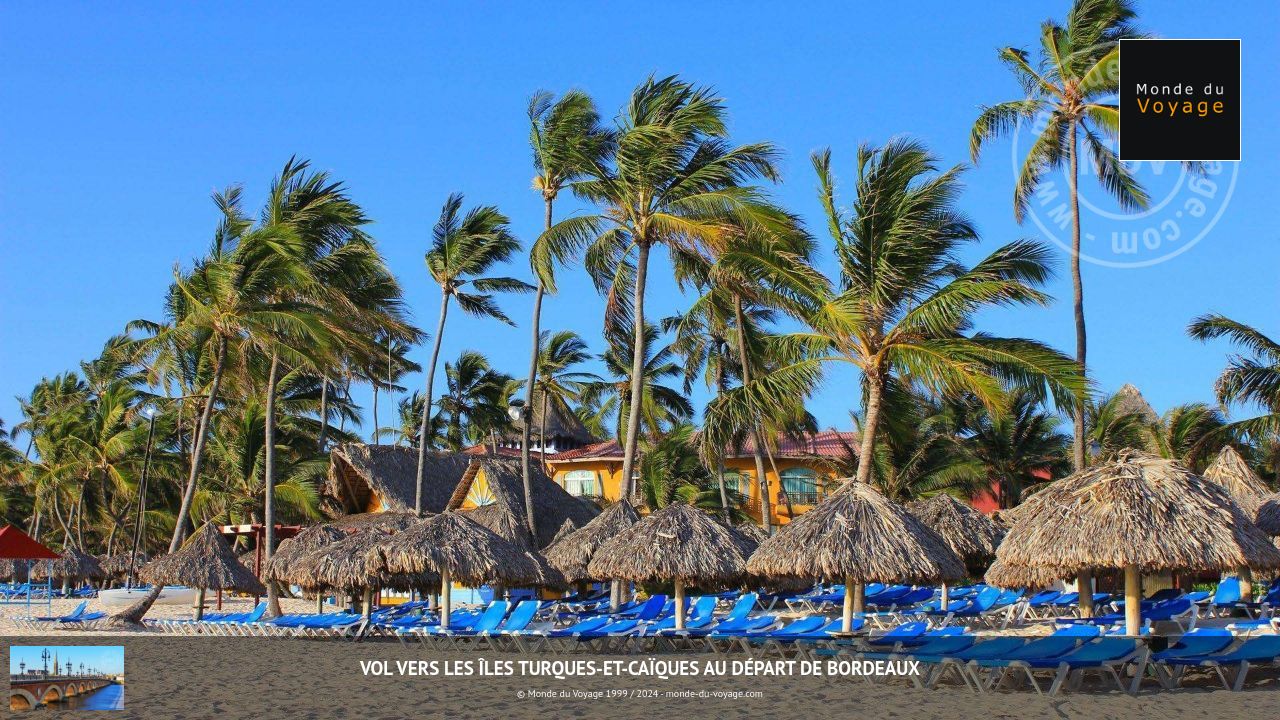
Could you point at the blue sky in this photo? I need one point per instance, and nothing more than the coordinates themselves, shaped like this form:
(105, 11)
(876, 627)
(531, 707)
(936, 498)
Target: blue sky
(116, 126)
(108, 659)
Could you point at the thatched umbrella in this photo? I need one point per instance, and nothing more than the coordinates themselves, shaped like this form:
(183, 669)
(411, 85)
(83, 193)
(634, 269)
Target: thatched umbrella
(1268, 518)
(678, 543)
(72, 564)
(13, 570)
(861, 536)
(390, 521)
(344, 566)
(1137, 513)
(293, 549)
(458, 549)
(567, 528)
(117, 566)
(970, 534)
(1234, 474)
(571, 554)
(205, 562)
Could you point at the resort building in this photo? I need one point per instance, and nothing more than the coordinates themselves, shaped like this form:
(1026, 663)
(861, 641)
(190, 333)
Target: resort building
(383, 478)
(798, 474)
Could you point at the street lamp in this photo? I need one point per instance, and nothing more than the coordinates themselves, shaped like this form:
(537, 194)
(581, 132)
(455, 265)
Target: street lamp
(150, 412)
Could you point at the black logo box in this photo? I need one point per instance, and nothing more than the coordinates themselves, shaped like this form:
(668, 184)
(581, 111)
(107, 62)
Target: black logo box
(1157, 80)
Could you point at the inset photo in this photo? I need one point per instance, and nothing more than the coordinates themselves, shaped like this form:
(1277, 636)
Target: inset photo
(66, 677)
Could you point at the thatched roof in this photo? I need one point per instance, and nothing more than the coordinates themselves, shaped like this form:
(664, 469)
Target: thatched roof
(472, 553)
(358, 472)
(291, 550)
(344, 565)
(570, 555)
(552, 505)
(560, 423)
(567, 528)
(389, 521)
(204, 561)
(678, 542)
(117, 566)
(1268, 517)
(1004, 575)
(13, 570)
(1129, 401)
(1234, 474)
(970, 534)
(1135, 510)
(859, 534)
(72, 563)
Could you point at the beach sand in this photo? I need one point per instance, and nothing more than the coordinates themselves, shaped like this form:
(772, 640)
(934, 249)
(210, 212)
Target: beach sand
(190, 678)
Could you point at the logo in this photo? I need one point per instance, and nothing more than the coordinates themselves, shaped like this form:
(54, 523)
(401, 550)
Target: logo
(1186, 199)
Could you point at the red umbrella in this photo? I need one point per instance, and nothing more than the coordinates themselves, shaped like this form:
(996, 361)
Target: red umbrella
(17, 545)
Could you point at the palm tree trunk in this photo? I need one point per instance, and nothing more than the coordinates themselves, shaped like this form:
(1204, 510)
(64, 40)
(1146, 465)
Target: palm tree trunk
(1077, 287)
(197, 453)
(637, 373)
(269, 483)
(426, 404)
(375, 414)
(133, 614)
(744, 361)
(324, 411)
(526, 432)
(782, 490)
(724, 494)
(869, 421)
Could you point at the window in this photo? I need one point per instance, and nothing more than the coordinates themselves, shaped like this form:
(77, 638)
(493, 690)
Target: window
(801, 485)
(581, 483)
(735, 482)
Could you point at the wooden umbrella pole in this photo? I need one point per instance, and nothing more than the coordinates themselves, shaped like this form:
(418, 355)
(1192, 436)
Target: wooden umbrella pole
(368, 602)
(319, 603)
(615, 595)
(679, 605)
(859, 596)
(847, 624)
(445, 587)
(200, 605)
(1132, 600)
(1246, 584)
(946, 597)
(1084, 584)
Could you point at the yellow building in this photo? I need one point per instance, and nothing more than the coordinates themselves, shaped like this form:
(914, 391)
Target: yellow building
(804, 469)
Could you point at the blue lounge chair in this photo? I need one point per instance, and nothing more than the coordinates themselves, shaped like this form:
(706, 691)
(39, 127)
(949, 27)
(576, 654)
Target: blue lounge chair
(1254, 651)
(1103, 655)
(1059, 643)
(1225, 596)
(1201, 641)
(1180, 611)
(531, 640)
(940, 663)
(492, 616)
(521, 616)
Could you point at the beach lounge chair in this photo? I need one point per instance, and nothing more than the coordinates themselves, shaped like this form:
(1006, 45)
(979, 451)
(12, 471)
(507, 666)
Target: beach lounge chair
(534, 639)
(1225, 596)
(35, 622)
(937, 665)
(748, 640)
(799, 644)
(521, 616)
(1060, 642)
(975, 608)
(1264, 649)
(1105, 655)
(1180, 611)
(1201, 641)
(493, 615)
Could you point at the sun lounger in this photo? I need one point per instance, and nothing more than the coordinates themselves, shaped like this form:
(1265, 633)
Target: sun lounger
(1202, 641)
(488, 620)
(1264, 649)
(1105, 655)
(1059, 643)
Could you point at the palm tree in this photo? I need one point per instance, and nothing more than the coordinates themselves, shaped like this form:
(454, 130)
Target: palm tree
(463, 248)
(1078, 71)
(670, 471)
(1018, 443)
(568, 141)
(903, 300)
(385, 371)
(475, 404)
(1112, 425)
(1191, 432)
(1253, 377)
(662, 407)
(675, 182)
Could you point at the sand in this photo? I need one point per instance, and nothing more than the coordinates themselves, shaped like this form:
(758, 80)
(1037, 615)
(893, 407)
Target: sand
(188, 678)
